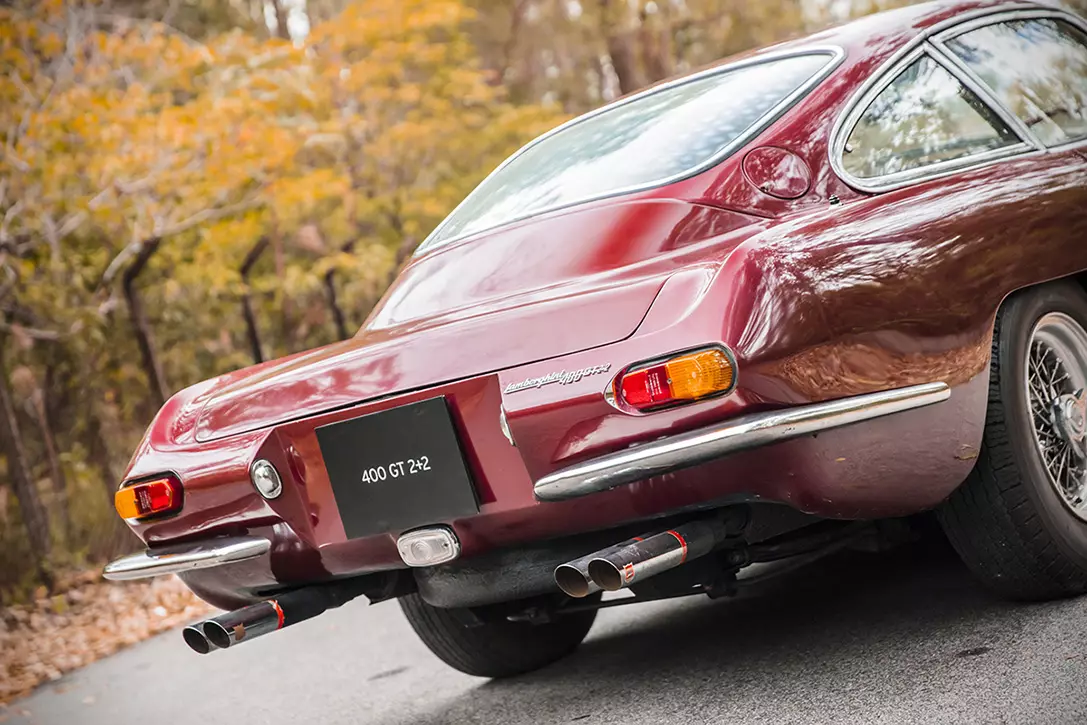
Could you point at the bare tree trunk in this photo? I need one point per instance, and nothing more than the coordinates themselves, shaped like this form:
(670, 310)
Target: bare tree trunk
(281, 20)
(517, 15)
(338, 317)
(56, 471)
(288, 330)
(250, 318)
(141, 327)
(100, 455)
(617, 38)
(622, 60)
(407, 246)
(656, 44)
(118, 537)
(602, 79)
(33, 513)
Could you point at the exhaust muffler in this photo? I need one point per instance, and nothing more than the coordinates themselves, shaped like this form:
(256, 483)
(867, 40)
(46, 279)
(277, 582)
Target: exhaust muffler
(619, 567)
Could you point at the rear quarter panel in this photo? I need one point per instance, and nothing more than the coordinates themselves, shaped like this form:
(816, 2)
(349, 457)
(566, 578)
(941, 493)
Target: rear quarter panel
(879, 292)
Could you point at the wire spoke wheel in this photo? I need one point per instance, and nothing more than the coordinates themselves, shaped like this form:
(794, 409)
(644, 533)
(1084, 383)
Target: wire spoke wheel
(1019, 520)
(1056, 380)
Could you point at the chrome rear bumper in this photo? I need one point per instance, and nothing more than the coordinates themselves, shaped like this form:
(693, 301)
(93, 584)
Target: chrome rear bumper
(730, 436)
(176, 559)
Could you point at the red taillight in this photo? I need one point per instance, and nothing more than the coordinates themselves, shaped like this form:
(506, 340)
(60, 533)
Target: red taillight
(147, 498)
(687, 377)
(646, 388)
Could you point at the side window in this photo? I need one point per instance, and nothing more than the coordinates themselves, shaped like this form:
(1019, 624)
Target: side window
(925, 116)
(1038, 68)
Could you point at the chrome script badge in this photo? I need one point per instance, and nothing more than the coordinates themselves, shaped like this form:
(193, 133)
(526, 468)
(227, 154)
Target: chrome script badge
(562, 377)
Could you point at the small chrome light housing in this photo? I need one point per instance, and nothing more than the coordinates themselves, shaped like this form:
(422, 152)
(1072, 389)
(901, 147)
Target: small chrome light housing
(427, 547)
(266, 479)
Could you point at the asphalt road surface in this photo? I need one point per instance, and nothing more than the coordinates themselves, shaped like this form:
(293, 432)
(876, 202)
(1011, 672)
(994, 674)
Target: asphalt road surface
(904, 637)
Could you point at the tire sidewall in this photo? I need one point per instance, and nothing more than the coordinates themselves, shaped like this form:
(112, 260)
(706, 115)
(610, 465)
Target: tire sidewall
(1023, 311)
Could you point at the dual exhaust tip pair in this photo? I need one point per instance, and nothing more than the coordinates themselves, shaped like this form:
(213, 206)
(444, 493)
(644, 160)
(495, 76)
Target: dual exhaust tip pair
(639, 558)
(270, 615)
(234, 627)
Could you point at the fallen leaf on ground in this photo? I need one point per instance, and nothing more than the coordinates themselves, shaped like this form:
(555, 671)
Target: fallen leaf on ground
(89, 619)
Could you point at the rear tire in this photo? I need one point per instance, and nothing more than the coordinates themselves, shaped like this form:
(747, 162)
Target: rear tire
(1012, 522)
(494, 648)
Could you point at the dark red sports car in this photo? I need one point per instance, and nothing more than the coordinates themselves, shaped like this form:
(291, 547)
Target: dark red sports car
(740, 317)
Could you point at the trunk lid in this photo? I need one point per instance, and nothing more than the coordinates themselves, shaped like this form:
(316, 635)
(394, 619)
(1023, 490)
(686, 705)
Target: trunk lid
(535, 290)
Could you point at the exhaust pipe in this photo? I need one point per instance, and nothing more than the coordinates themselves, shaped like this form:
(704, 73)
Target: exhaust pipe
(255, 620)
(244, 624)
(573, 576)
(616, 569)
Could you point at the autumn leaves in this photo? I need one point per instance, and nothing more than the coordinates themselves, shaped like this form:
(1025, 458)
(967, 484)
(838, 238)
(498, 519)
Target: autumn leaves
(173, 208)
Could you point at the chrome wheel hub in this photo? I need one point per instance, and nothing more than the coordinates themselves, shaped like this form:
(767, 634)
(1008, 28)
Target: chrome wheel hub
(1071, 420)
(1056, 384)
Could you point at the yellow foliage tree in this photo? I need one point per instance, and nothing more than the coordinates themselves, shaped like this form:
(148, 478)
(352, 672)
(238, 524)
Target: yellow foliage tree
(145, 175)
(174, 204)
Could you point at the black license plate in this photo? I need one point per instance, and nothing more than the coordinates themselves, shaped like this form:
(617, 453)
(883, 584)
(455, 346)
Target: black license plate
(397, 469)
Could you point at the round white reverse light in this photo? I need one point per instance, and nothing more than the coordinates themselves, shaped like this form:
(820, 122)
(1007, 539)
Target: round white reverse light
(266, 478)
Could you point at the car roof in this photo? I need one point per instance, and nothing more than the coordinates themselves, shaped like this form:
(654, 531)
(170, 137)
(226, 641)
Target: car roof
(881, 34)
(901, 24)
(866, 44)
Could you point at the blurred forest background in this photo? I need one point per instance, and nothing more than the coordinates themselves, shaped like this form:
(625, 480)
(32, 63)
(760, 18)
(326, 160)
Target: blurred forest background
(190, 186)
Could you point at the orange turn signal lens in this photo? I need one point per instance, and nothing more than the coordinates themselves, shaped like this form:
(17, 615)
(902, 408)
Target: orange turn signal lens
(147, 498)
(683, 378)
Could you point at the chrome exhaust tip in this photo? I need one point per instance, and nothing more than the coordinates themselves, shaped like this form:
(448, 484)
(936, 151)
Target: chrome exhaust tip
(222, 637)
(232, 628)
(574, 580)
(216, 634)
(194, 637)
(606, 575)
(244, 624)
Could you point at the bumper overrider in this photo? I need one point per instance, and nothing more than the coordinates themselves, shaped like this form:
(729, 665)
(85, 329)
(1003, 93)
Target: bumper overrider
(605, 472)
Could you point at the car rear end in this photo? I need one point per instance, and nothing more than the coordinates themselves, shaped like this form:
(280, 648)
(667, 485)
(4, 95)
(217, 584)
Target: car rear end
(580, 354)
(333, 455)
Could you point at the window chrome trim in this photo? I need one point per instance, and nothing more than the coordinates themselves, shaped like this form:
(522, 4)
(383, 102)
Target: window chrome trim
(939, 41)
(835, 53)
(899, 179)
(954, 65)
(1004, 15)
(1079, 143)
(897, 62)
(940, 169)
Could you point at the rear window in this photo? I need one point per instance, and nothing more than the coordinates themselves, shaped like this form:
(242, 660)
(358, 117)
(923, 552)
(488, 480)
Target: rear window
(650, 139)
